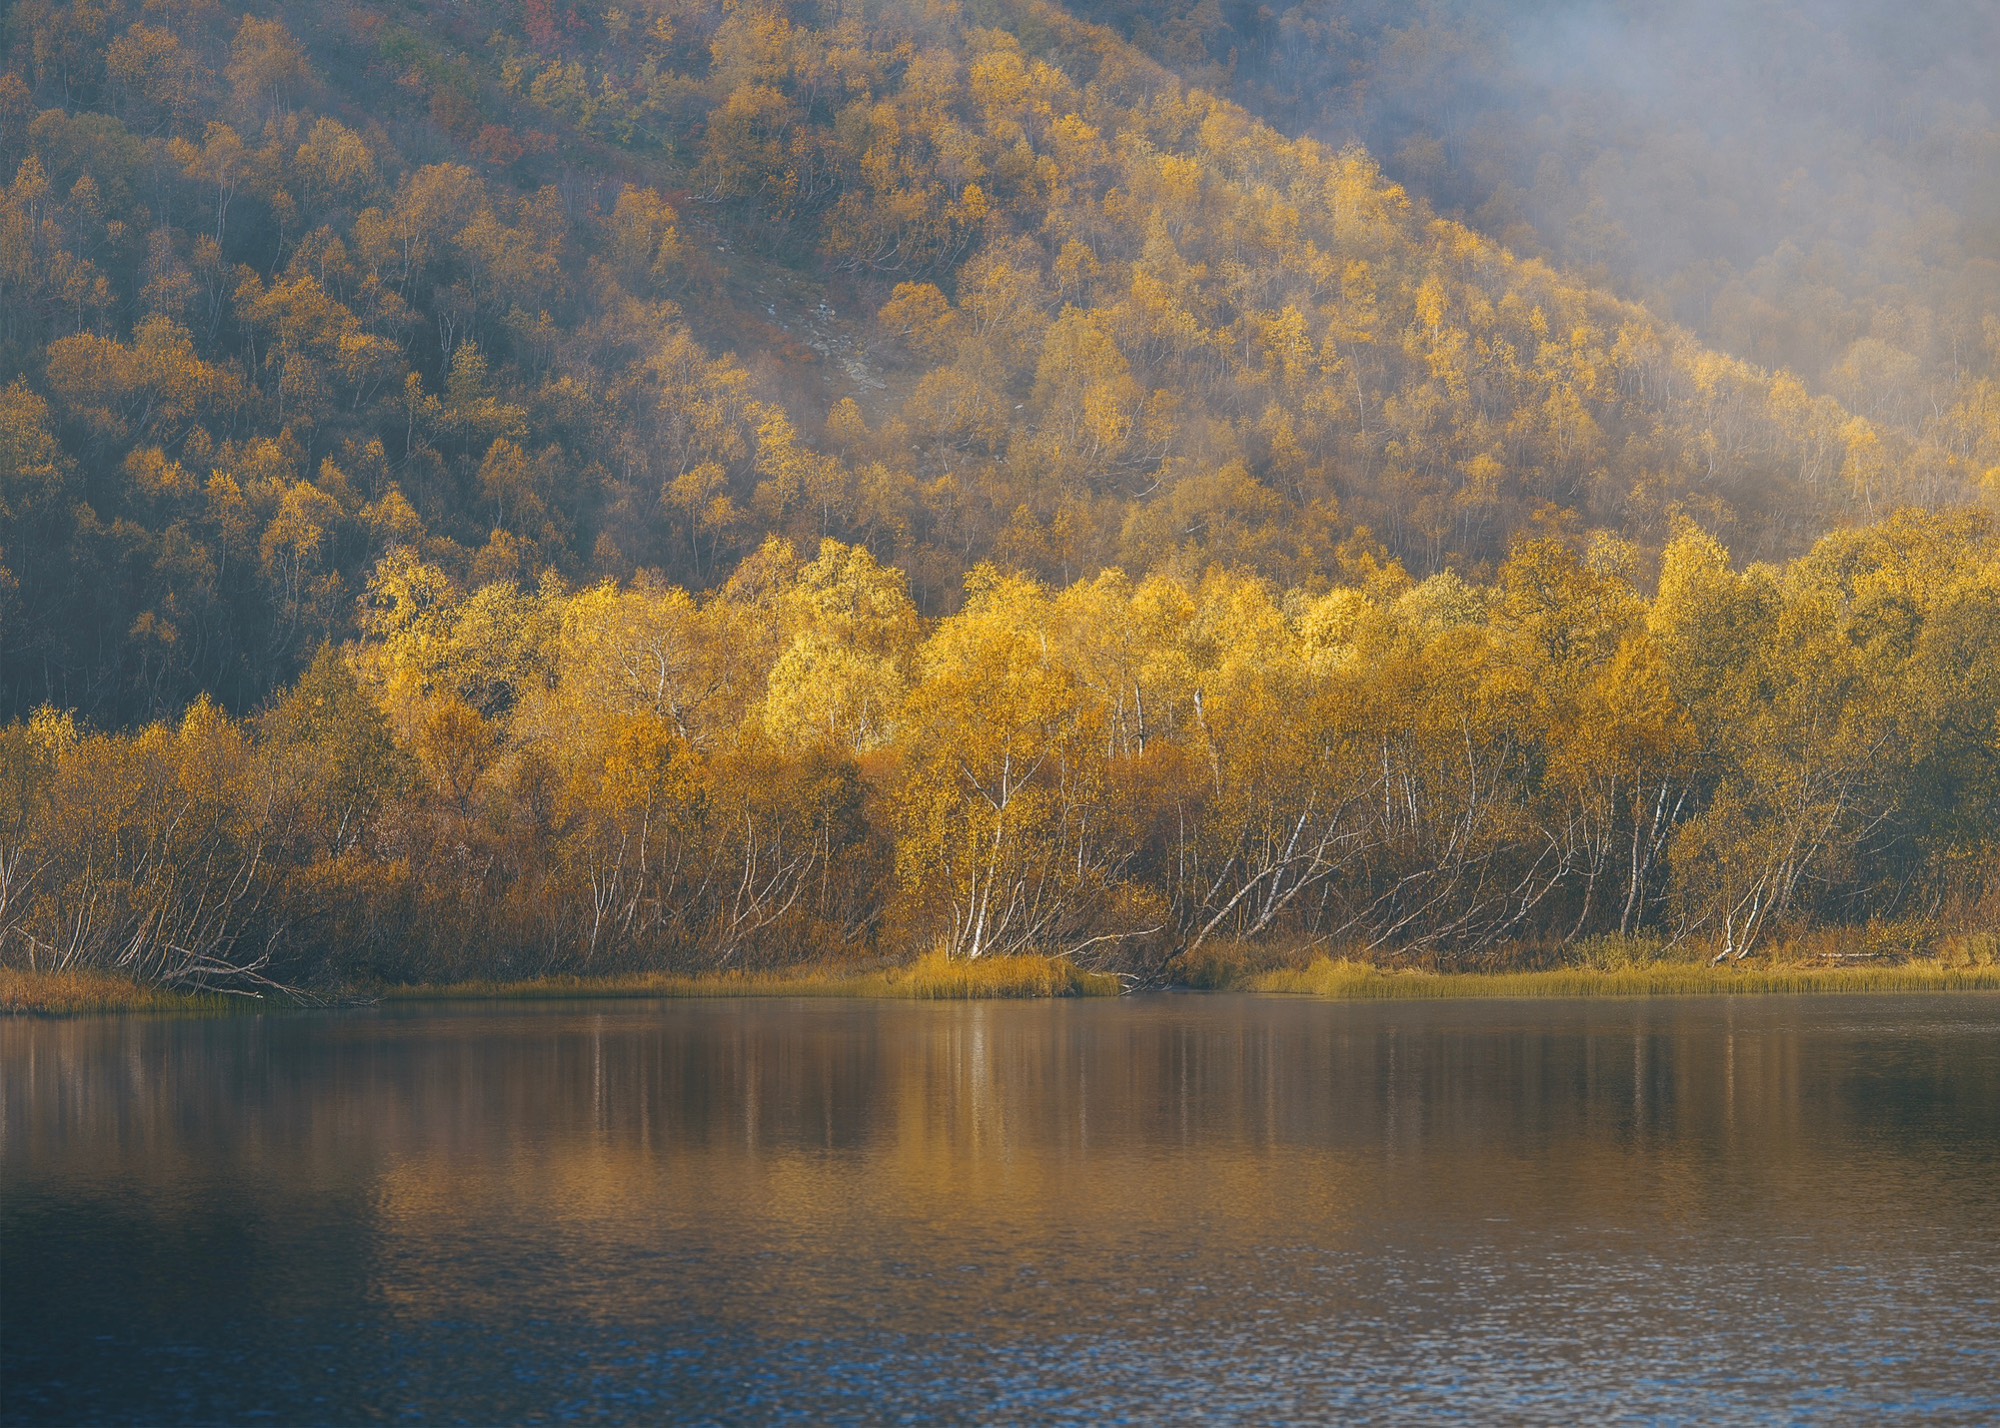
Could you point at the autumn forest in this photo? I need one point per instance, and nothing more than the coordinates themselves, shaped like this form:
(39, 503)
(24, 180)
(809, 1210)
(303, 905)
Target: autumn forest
(524, 487)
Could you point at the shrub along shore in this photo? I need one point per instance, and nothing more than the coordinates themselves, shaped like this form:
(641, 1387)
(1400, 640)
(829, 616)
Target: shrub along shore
(936, 978)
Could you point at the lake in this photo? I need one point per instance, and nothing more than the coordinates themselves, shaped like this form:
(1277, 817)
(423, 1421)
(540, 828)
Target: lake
(1171, 1206)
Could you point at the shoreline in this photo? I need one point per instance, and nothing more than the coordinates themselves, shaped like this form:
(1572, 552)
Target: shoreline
(933, 978)
(1355, 981)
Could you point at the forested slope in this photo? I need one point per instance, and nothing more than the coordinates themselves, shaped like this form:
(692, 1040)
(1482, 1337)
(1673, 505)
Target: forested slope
(694, 485)
(598, 291)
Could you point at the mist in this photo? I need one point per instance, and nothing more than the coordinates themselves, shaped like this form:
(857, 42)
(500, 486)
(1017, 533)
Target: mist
(1808, 184)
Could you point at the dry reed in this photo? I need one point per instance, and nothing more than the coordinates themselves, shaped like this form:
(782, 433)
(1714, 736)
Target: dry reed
(931, 978)
(91, 993)
(1359, 981)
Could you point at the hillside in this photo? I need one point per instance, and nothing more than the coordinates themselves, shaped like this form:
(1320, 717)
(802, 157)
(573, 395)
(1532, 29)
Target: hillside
(600, 291)
(509, 489)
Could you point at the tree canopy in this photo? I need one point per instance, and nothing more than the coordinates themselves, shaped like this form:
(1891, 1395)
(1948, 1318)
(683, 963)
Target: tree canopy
(587, 485)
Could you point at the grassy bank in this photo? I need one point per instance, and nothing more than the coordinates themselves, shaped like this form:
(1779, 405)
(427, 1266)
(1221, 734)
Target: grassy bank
(91, 993)
(934, 978)
(1358, 981)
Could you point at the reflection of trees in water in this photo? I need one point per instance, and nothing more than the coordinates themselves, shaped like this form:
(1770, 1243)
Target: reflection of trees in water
(437, 1200)
(1152, 1113)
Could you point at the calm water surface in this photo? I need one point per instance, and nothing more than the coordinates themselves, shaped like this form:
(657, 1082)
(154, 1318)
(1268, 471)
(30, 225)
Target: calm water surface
(1177, 1206)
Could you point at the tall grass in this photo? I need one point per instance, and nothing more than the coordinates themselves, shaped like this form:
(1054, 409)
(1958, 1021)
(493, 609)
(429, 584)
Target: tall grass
(940, 978)
(931, 978)
(1359, 981)
(88, 993)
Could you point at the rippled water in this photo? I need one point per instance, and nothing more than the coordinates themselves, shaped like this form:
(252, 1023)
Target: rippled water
(1173, 1206)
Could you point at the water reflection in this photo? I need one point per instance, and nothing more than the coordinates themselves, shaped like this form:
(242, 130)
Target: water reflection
(1725, 1208)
